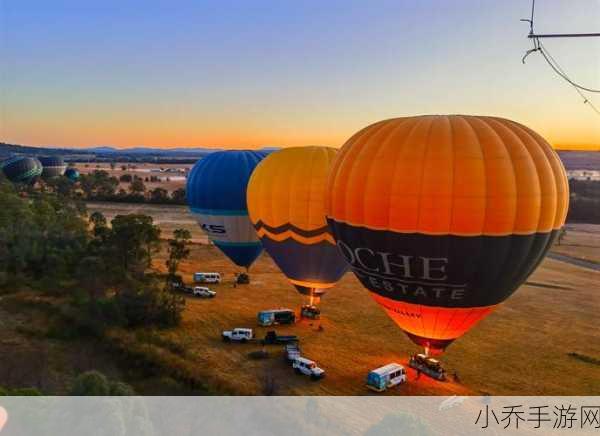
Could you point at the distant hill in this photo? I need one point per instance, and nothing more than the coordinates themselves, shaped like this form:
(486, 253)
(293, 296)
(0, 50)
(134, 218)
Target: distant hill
(580, 160)
(104, 153)
(572, 160)
(7, 150)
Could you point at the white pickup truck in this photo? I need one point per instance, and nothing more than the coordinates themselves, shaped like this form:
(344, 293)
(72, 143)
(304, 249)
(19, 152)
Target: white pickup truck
(203, 292)
(237, 335)
(305, 366)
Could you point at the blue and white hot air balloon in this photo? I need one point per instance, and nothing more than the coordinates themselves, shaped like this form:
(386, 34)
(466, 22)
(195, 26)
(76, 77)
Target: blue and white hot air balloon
(216, 195)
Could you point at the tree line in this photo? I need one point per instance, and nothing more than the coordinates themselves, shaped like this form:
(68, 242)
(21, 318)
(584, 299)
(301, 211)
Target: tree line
(99, 185)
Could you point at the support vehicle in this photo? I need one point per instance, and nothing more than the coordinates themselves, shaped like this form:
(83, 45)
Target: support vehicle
(291, 352)
(276, 316)
(428, 365)
(203, 292)
(386, 377)
(238, 335)
(207, 277)
(305, 366)
(273, 338)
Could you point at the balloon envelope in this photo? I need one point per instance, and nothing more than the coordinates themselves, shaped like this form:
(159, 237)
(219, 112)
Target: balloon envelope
(22, 169)
(216, 195)
(72, 174)
(443, 217)
(286, 201)
(53, 166)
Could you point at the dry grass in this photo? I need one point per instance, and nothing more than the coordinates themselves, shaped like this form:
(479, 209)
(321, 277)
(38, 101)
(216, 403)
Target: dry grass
(581, 241)
(167, 217)
(525, 348)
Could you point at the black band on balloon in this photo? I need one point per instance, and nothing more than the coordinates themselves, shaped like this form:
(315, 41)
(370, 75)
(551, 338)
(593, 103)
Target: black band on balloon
(440, 271)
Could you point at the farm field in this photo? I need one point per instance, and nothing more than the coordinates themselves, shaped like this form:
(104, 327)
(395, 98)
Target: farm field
(143, 170)
(582, 241)
(521, 349)
(167, 217)
(524, 348)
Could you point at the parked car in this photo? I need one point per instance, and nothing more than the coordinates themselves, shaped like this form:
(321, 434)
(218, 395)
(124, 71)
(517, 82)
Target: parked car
(273, 338)
(276, 316)
(238, 335)
(291, 352)
(202, 292)
(207, 277)
(386, 377)
(427, 365)
(305, 366)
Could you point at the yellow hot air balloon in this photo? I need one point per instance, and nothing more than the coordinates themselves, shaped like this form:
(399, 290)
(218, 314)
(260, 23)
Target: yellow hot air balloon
(286, 204)
(443, 217)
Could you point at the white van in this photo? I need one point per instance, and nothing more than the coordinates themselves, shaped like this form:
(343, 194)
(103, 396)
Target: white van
(386, 377)
(207, 277)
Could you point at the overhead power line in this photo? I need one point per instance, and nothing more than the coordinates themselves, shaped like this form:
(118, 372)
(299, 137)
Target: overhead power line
(554, 65)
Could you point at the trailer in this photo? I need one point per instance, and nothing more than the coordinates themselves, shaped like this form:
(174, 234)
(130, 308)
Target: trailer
(273, 338)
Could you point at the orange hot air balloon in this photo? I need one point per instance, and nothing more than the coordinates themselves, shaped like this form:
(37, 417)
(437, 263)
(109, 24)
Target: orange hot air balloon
(286, 203)
(443, 217)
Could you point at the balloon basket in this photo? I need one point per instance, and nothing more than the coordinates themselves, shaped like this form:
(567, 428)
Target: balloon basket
(310, 312)
(428, 366)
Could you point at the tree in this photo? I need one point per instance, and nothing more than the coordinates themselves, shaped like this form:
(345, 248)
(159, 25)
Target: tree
(98, 184)
(125, 178)
(137, 186)
(159, 195)
(98, 219)
(92, 275)
(178, 250)
(113, 165)
(42, 235)
(178, 196)
(148, 304)
(133, 239)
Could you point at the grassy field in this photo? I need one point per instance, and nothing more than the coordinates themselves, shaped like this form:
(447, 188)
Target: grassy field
(521, 349)
(581, 241)
(167, 217)
(543, 341)
(142, 170)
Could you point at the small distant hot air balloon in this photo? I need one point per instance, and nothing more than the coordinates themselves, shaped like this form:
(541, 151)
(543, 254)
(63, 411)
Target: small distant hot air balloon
(216, 195)
(72, 174)
(53, 166)
(443, 217)
(286, 201)
(22, 169)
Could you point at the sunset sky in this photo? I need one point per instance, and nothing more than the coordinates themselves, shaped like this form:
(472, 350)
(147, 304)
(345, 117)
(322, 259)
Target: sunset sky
(255, 73)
